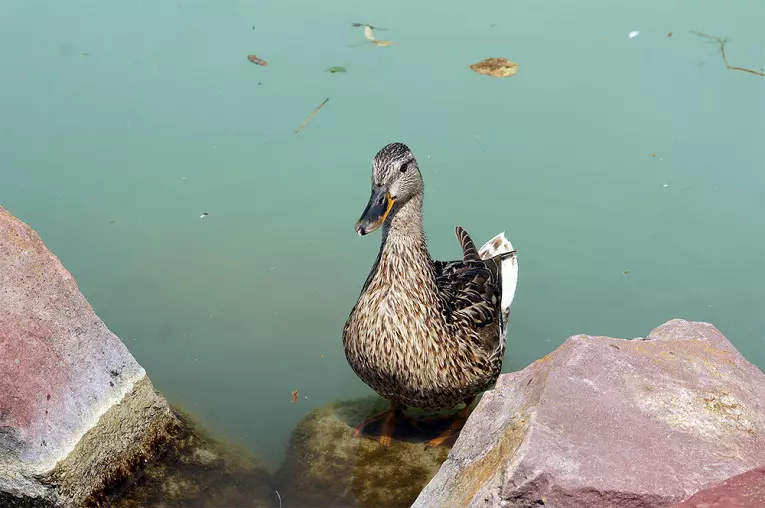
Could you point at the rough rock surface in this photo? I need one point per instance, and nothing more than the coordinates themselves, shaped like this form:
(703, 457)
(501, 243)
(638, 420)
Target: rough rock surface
(326, 466)
(610, 422)
(746, 490)
(77, 412)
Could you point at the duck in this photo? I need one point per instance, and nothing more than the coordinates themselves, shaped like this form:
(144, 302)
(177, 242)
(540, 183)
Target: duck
(424, 333)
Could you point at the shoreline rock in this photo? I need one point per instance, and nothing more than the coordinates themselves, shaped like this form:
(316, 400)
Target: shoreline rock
(746, 490)
(79, 417)
(611, 422)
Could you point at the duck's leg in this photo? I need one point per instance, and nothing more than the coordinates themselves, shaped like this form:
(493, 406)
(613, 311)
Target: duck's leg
(456, 425)
(387, 418)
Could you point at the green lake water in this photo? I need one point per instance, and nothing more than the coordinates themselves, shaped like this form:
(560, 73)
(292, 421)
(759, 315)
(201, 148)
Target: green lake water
(628, 172)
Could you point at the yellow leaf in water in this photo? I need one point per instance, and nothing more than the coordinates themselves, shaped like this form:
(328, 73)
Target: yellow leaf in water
(382, 43)
(497, 67)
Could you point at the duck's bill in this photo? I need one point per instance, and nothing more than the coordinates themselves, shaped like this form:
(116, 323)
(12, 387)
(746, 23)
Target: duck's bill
(377, 210)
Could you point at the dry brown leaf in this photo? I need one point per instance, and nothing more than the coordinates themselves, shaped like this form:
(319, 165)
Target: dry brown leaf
(496, 67)
(294, 397)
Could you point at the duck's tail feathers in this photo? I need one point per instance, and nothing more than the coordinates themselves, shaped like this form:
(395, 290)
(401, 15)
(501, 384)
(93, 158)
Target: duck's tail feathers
(499, 246)
(469, 251)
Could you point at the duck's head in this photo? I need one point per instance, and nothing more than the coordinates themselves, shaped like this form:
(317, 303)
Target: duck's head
(396, 179)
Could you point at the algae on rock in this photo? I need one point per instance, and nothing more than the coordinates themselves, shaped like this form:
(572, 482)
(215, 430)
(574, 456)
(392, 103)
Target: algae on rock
(327, 466)
(197, 470)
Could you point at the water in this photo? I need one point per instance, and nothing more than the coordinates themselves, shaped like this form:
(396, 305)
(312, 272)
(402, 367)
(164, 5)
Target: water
(122, 122)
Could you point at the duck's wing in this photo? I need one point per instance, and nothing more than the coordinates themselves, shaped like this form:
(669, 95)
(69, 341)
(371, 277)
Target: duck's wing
(469, 290)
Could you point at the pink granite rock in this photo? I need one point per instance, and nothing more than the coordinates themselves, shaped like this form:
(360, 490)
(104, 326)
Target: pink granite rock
(746, 490)
(611, 422)
(76, 409)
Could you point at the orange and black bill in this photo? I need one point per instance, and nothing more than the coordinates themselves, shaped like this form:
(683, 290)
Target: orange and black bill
(377, 210)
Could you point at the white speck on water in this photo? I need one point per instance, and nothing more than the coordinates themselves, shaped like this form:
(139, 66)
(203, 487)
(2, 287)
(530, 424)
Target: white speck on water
(633, 34)
(204, 214)
(665, 185)
(183, 178)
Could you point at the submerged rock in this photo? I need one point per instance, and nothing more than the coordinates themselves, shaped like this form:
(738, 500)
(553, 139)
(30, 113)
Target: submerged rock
(746, 490)
(611, 422)
(327, 466)
(196, 470)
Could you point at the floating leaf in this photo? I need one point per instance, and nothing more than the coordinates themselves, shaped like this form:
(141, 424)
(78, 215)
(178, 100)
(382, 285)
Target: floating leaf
(497, 67)
(336, 68)
(294, 396)
(259, 61)
(370, 36)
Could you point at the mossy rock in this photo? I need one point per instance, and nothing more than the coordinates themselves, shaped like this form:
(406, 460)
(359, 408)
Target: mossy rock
(196, 470)
(326, 466)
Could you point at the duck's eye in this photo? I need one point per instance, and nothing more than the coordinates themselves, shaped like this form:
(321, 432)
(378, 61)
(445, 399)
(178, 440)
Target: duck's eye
(404, 167)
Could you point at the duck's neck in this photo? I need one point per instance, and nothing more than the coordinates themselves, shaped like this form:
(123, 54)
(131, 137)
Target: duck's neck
(403, 263)
(404, 227)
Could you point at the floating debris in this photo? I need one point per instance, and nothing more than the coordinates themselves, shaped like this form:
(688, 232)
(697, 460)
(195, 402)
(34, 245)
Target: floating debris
(722, 42)
(256, 60)
(359, 25)
(669, 34)
(294, 396)
(204, 214)
(336, 68)
(370, 36)
(633, 34)
(653, 155)
(626, 272)
(497, 67)
(311, 115)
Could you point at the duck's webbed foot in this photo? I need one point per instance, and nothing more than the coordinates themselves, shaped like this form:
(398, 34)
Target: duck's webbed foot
(387, 422)
(451, 433)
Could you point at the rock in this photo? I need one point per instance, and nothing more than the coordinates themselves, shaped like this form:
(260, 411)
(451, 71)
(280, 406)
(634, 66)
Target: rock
(746, 490)
(196, 470)
(77, 412)
(326, 466)
(610, 422)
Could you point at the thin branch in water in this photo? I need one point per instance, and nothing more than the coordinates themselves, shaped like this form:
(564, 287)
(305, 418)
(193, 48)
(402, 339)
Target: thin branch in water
(722, 42)
(280, 498)
(311, 115)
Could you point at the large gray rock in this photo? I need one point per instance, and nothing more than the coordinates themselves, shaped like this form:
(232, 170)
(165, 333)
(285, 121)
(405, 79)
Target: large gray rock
(610, 422)
(77, 412)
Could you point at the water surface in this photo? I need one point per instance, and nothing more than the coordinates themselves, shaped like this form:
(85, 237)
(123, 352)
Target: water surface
(122, 122)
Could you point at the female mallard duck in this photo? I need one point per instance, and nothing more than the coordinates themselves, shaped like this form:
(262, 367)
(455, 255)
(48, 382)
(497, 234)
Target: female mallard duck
(424, 333)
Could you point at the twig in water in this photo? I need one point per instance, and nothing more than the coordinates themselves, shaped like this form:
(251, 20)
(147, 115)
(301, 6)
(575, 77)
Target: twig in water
(311, 115)
(280, 498)
(722, 42)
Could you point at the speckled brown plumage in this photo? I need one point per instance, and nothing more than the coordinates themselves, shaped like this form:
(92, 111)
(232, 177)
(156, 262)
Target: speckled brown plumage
(425, 333)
